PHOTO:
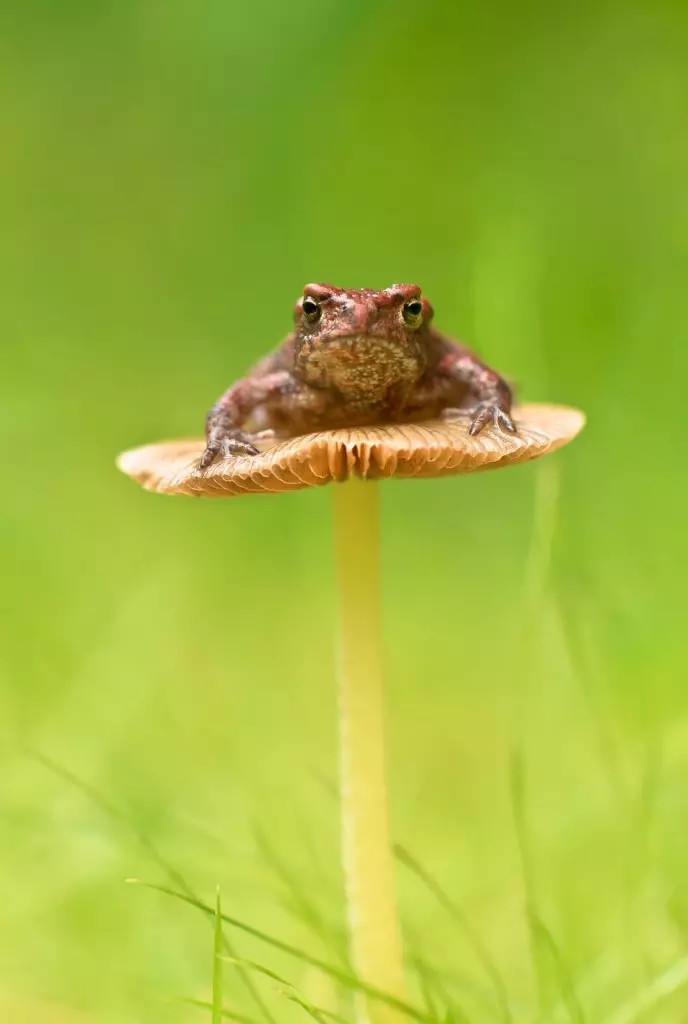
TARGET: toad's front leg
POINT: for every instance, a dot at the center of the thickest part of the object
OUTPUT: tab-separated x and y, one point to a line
224	423
290	405
491	392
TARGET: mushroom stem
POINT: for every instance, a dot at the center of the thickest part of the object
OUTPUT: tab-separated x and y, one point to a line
366	854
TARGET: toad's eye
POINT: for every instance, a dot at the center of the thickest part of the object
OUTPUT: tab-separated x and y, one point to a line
413	312
311	310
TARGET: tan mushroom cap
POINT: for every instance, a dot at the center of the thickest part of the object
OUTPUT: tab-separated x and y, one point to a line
431	448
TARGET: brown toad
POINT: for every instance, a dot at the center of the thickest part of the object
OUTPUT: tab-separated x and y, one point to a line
356	357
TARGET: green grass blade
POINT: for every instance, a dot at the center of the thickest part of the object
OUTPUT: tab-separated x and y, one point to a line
295	997
431	981
217	962
345	978
517	785
455	1016
659	989
540	936
589	675
435	992
288	990
569	996
300	904
479	948
147	844
201	1004
241	1018
251	965
426	988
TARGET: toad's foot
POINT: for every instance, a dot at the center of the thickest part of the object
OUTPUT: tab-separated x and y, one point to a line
489	414
228	445
482	415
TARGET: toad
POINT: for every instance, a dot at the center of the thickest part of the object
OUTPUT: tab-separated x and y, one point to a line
356	357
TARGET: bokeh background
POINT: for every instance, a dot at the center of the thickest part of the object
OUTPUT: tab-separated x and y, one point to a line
171	175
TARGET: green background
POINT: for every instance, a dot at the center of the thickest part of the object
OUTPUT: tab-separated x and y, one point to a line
171	175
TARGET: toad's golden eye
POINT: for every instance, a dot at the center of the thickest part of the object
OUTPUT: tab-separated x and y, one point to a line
311	310
413	312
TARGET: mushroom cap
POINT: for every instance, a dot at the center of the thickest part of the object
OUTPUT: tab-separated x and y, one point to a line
427	449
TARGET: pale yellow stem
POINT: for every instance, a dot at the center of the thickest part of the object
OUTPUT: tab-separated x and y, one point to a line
367	857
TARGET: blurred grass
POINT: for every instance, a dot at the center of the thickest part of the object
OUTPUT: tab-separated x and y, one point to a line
171	176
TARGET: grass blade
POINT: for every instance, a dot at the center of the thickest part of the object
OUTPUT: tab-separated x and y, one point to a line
147	844
217	962
251	965
567	988
663	986
288	990
201	1004
426	988
479	948
240	1018
541	937
345	978
295	997
517	783
303	908
429	983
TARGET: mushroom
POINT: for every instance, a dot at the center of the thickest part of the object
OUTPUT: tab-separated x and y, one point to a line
357	458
